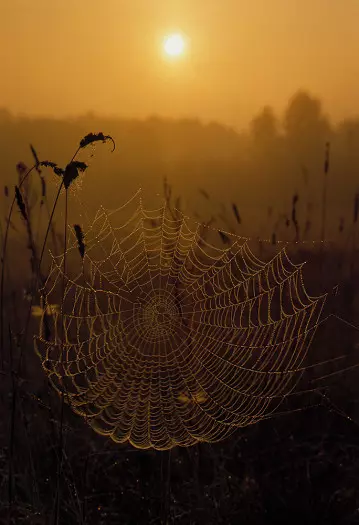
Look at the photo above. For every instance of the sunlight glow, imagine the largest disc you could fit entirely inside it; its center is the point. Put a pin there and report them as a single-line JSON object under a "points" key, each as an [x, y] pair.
{"points": [[174, 45]]}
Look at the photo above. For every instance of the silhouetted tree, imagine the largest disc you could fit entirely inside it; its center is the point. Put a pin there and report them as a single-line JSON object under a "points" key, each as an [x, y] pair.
{"points": [[305, 121], [264, 127], [307, 131], [5, 116]]}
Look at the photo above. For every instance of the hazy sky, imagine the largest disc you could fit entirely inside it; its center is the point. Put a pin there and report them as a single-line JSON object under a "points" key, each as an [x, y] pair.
{"points": [[63, 57]]}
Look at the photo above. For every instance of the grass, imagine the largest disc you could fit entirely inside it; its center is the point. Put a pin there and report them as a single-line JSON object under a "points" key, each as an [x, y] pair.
{"points": [[67, 176], [54, 469]]}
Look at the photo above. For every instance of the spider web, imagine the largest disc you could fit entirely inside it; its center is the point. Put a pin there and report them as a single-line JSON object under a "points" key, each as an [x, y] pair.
{"points": [[166, 337]]}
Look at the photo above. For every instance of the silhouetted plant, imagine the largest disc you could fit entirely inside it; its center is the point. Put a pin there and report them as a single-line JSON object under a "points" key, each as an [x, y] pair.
{"points": [[80, 239], [236, 213], [68, 175]]}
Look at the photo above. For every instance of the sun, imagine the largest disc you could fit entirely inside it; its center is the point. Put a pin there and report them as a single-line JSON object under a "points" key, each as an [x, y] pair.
{"points": [[174, 45]]}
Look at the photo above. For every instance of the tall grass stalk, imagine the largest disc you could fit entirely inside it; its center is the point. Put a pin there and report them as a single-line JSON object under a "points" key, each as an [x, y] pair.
{"points": [[39, 263], [60, 451], [67, 176], [324, 202], [325, 191], [12, 430], [354, 234]]}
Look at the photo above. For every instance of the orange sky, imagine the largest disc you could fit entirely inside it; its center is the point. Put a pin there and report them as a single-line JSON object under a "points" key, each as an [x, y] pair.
{"points": [[62, 57]]}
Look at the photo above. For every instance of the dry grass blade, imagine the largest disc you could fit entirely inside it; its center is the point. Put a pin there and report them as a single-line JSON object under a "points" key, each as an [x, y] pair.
{"points": [[167, 190], [43, 187], [204, 193], [20, 203], [294, 216], [80, 239], [236, 213], [224, 238], [37, 161], [327, 158], [325, 188], [48, 164], [356, 208]]}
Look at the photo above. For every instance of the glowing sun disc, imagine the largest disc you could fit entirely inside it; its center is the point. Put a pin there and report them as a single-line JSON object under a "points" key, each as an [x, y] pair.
{"points": [[174, 45]]}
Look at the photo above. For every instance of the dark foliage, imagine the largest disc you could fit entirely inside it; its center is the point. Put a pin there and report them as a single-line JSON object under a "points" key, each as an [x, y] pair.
{"points": [[72, 172], [95, 137]]}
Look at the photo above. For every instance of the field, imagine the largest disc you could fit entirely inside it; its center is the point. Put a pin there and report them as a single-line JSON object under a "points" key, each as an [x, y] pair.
{"points": [[298, 464]]}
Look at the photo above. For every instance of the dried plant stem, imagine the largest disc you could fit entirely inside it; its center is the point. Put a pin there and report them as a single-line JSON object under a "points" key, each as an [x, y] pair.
{"points": [[324, 209], [60, 453], [353, 251], [324, 200], [324, 191], [12, 430], [38, 273], [49, 223]]}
